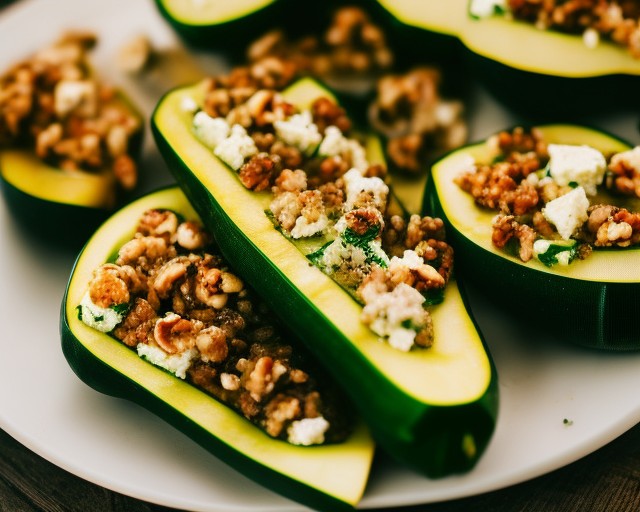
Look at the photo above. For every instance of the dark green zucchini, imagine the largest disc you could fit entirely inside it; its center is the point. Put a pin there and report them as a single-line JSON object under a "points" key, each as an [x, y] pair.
{"points": [[226, 26], [539, 73], [59, 206], [104, 363], [434, 409], [415, 43], [591, 302]]}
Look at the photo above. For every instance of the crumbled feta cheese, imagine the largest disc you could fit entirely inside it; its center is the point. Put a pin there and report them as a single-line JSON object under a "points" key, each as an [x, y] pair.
{"points": [[591, 38], [540, 247], [567, 212], [355, 183], [188, 104], [178, 364], [402, 339], [387, 312], [582, 165], [334, 143], [307, 431], [299, 131], [339, 252], [211, 131], [236, 147], [486, 8], [77, 96], [101, 319], [303, 228]]}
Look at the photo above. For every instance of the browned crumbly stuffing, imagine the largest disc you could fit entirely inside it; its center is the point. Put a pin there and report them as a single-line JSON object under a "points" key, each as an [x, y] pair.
{"points": [[351, 45], [514, 185], [410, 112], [182, 297], [332, 189], [55, 105], [615, 20]]}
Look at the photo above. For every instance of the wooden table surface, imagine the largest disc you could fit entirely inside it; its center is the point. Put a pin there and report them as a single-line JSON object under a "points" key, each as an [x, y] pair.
{"points": [[605, 481]]}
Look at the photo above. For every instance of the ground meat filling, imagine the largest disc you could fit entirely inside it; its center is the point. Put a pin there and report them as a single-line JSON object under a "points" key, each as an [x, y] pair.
{"points": [[556, 202], [324, 189], [171, 298], [52, 103]]}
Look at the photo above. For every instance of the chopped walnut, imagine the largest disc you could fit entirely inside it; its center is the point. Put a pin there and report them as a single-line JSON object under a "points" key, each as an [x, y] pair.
{"points": [[505, 228]]}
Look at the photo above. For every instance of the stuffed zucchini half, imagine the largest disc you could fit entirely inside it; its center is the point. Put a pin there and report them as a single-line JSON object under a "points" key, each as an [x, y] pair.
{"points": [[44, 198], [535, 72], [434, 408], [568, 266], [329, 476], [69, 142]]}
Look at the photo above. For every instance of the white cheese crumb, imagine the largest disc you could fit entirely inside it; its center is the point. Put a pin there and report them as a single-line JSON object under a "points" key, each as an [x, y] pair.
{"points": [[567, 212], [591, 38], [339, 252], [188, 104], [542, 246], [307, 431], [178, 364], [101, 319], [333, 143], [299, 131], [486, 8], [355, 184], [303, 228], [402, 339], [236, 147], [78, 96], [211, 131], [387, 312], [582, 165]]}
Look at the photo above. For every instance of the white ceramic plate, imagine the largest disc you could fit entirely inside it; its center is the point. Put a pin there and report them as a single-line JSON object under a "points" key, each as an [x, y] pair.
{"points": [[121, 446]]}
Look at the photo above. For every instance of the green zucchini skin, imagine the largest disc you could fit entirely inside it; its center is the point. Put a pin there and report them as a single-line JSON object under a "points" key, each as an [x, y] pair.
{"points": [[428, 437], [555, 97], [60, 220], [230, 36], [60, 224], [588, 313], [116, 377]]}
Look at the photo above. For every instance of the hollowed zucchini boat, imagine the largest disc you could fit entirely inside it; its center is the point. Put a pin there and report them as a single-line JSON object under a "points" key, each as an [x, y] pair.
{"points": [[433, 409], [326, 477], [535, 72], [62, 207], [592, 302]]}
